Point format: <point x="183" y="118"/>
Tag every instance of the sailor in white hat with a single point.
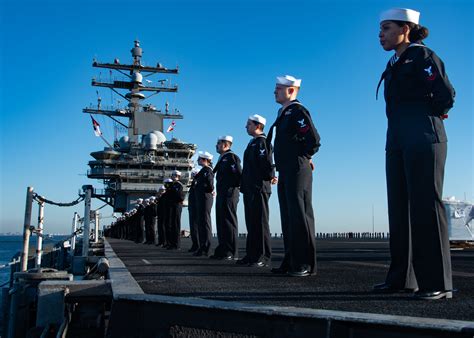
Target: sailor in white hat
<point x="138" y="225"/>
<point x="203" y="199"/>
<point x="228" y="172"/>
<point x="175" y="200"/>
<point x="296" y="141"/>
<point x="193" y="222"/>
<point x="149" y="214"/>
<point x="416" y="85"/>
<point x="160" y="210"/>
<point x="257" y="174"/>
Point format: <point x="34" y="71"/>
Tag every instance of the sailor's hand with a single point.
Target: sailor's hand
<point x="274" y="180"/>
<point x="311" y="164"/>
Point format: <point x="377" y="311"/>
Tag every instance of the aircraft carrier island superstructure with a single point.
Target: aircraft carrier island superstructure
<point x="138" y="163"/>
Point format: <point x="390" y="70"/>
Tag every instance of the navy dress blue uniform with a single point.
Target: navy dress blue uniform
<point x="203" y="196"/>
<point x="149" y="217"/>
<point x="138" y="217"/>
<point x="257" y="173"/>
<point x="193" y="222"/>
<point x="296" y="140"/>
<point x="417" y="94"/>
<point x="175" y="207"/>
<point x="228" y="172"/>
<point x="161" y="213"/>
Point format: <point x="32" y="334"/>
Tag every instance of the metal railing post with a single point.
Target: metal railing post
<point x="96" y="232"/>
<point x="74" y="228"/>
<point x="87" y="219"/>
<point x="39" y="233"/>
<point x="26" y="229"/>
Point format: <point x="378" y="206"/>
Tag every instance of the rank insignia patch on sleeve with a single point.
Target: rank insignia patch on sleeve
<point x="303" y="126"/>
<point x="431" y="74"/>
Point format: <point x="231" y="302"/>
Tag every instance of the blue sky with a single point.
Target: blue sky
<point x="229" y="53"/>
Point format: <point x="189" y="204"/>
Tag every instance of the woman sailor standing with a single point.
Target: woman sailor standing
<point x="418" y="96"/>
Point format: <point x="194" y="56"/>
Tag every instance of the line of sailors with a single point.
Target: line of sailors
<point x="158" y="219"/>
<point x="157" y="216"/>
<point x="296" y="141"/>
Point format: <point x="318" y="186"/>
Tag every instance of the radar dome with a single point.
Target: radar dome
<point x="137" y="77"/>
<point x="124" y="143"/>
<point x="150" y="141"/>
<point x="160" y="135"/>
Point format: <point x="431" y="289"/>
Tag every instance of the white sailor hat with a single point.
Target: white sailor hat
<point x="140" y="200"/>
<point x="288" y="81"/>
<point x="168" y="180"/>
<point x="162" y="187"/>
<point x="176" y="173"/>
<point x="225" y="138"/>
<point x="147" y="200"/>
<point x="152" y="198"/>
<point x="258" y="118"/>
<point x="401" y="14"/>
<point x="205" y="154"/>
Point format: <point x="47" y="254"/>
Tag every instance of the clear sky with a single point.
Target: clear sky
<point x="228" y="53"/>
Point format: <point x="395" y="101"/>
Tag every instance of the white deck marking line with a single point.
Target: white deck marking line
<point x="378" y="265"/>
<point x="145" y="261"/>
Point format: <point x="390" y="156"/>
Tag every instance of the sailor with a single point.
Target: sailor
<point x="175" y="207"/>
<point x="166" y="200"/>
<point x="154" y="228"/>
<point x="128" y="229"/>
<point x="418" y="96"/>
<point x="160" y="213"/>
<point x="138" y="217"/>
<point x="149" y="216"/>
<point x="193" y="227"/>
<point x="296" y="141"/>
<point x="203" y="190"/>
<point x="257" y="174"/>
<point x="228" y="172"/>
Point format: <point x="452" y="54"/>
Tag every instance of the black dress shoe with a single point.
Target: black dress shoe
<point x="279" y="271"/>
<point x="299" y="273"/>
<point x="258" y="264"/>
<point x="433" y="295"/>
<point x="389" y="288"/>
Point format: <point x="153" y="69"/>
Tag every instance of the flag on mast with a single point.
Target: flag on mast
<point x="96" y="127"/>
<point x="171" y="127"/>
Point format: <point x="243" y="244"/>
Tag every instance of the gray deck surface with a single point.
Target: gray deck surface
<point x="347" y="269"/>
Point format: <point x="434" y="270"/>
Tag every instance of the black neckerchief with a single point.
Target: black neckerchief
<point x="393" y="62"/>
<point x="216" y="168"/>
<point x="277" y="121"/>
